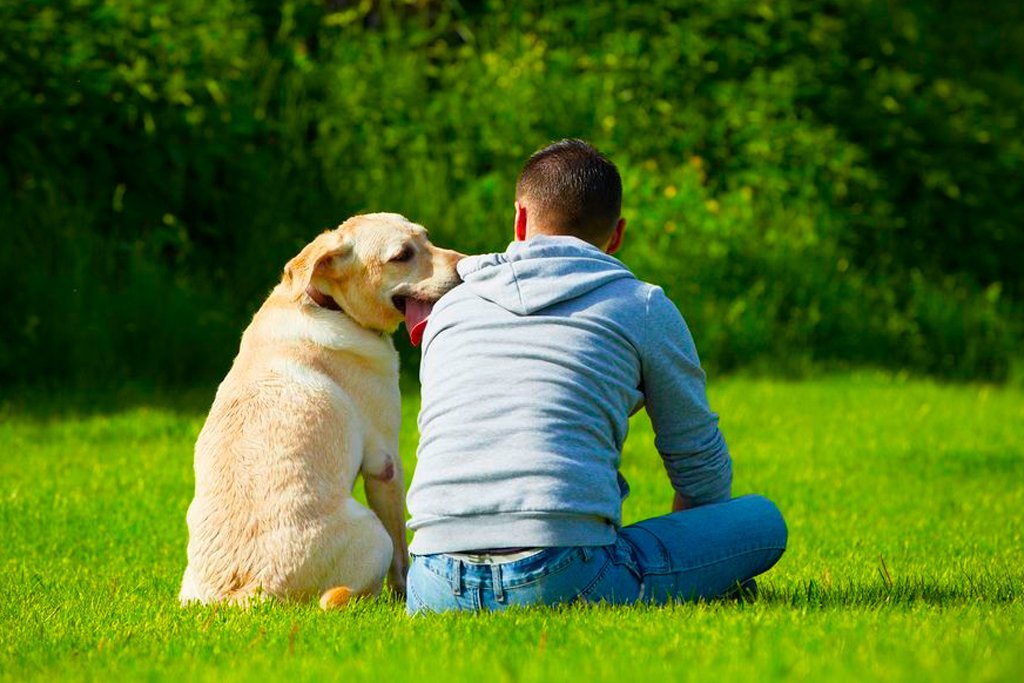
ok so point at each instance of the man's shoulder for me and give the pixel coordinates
(632, 289)
(459, 293)
(628, 290)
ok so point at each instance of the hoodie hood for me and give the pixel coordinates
(541, 272)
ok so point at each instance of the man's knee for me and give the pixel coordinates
(769, 519)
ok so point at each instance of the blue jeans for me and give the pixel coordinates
(695, 554)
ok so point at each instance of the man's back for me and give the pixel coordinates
(530, 371)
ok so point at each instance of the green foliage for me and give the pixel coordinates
(813, 182)
(924, 477)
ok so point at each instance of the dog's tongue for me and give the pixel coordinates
(416, 314)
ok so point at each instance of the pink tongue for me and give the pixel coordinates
(416, 314)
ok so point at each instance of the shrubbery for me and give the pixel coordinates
(812, 182)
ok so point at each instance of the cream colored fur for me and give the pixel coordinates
(310, 403)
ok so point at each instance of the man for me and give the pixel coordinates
(530, 371)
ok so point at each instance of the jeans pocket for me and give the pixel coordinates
(646, 548)
(428, 589)
(618, 581)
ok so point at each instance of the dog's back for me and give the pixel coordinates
(311, 402)
(279, 453)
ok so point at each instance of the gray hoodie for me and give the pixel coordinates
(530, 371)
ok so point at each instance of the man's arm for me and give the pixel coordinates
(692, 448)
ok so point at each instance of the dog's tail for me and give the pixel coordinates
(336, 598)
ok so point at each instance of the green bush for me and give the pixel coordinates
(813, 182)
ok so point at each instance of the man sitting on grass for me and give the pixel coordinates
(530, 371)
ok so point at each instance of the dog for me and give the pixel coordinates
(310, 403)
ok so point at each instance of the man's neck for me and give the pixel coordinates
(531, 233)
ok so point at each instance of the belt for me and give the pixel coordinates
(495, 555)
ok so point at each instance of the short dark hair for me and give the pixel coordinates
(572, 189)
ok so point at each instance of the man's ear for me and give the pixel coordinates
(520, 223)
(324, 256)
(616, 239)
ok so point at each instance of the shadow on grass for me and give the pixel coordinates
(900, 593)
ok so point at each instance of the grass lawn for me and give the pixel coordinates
(865, 467)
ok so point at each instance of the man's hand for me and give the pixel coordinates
(397, 573)
(680, 503)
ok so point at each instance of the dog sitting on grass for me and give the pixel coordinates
(310, 403)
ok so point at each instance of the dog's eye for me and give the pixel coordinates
(405, 255)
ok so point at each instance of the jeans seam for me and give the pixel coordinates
(539, 576)
(584, 594)
(417, 596)
(543, 572)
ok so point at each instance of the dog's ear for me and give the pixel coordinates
(332, 262)
(325, 255)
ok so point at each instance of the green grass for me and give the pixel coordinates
(865, 467)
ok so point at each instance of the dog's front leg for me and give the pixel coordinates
(385, 492)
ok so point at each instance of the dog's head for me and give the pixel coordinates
(371, 266)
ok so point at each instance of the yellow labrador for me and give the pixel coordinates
(311, 402)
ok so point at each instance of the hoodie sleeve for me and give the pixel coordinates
(686, 431)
